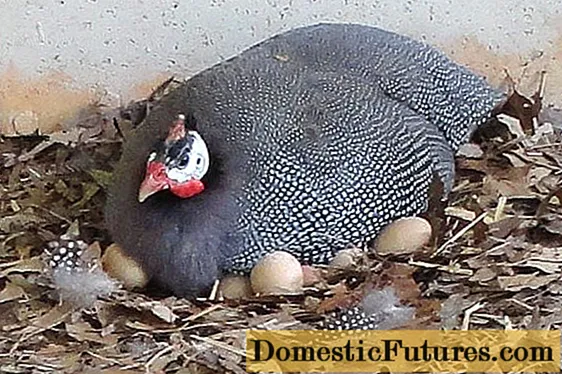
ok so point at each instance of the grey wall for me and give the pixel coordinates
(125, 47)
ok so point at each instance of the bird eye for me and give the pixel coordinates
(199, 161)
(183, 162)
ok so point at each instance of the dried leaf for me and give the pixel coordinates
(519, 107)
(136, 325)
(341, 298)
(400, 278)
(522, 281)
(73, 230)
(34, 265)
(68, 193)
(460, 212)
(102, 177)
(11, 292)
(545, 267)
(55, 316)
(536, 175)
(89, 191)
(515, 186)
(161, 311)
(503, 228)
(20, 221)
(515, 160)
(483, 275)
(452, 309)
(513, 125)
(554, 225)
(82, 331)
(93, 253)
(547, 259)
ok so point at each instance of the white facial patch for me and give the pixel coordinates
(197, 165)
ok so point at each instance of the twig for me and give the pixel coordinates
(214, 290)
(156, 357)
(500, 208)
(542, 85)
(56, 215)
(203, 312)
(112, 360)
(522, 304)
(459, 234)
(186, 327)
(10, 264)
(468, 313)
(542, 146)
(451, 269)
(502, 320)
(215, 343)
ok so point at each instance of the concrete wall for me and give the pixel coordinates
(56, 56)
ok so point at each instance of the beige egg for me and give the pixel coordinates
(403, 236)
(278, 273)
(123, 268)
(235, 287)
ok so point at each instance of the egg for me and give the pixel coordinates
(403, 236)
(123, 268)
(235, 287)
(277, 273)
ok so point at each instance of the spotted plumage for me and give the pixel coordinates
(378, 310)
(317, 138)
(76, 273)
(66, 255)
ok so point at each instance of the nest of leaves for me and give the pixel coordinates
(495, 261)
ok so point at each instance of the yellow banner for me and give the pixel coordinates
(489, 351)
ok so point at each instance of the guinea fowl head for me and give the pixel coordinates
(178, 164)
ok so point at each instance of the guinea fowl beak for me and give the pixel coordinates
(154, 181)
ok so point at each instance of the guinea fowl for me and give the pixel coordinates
(308, 142)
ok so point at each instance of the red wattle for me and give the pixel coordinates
(187, 189)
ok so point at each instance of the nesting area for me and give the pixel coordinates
(494, 259)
